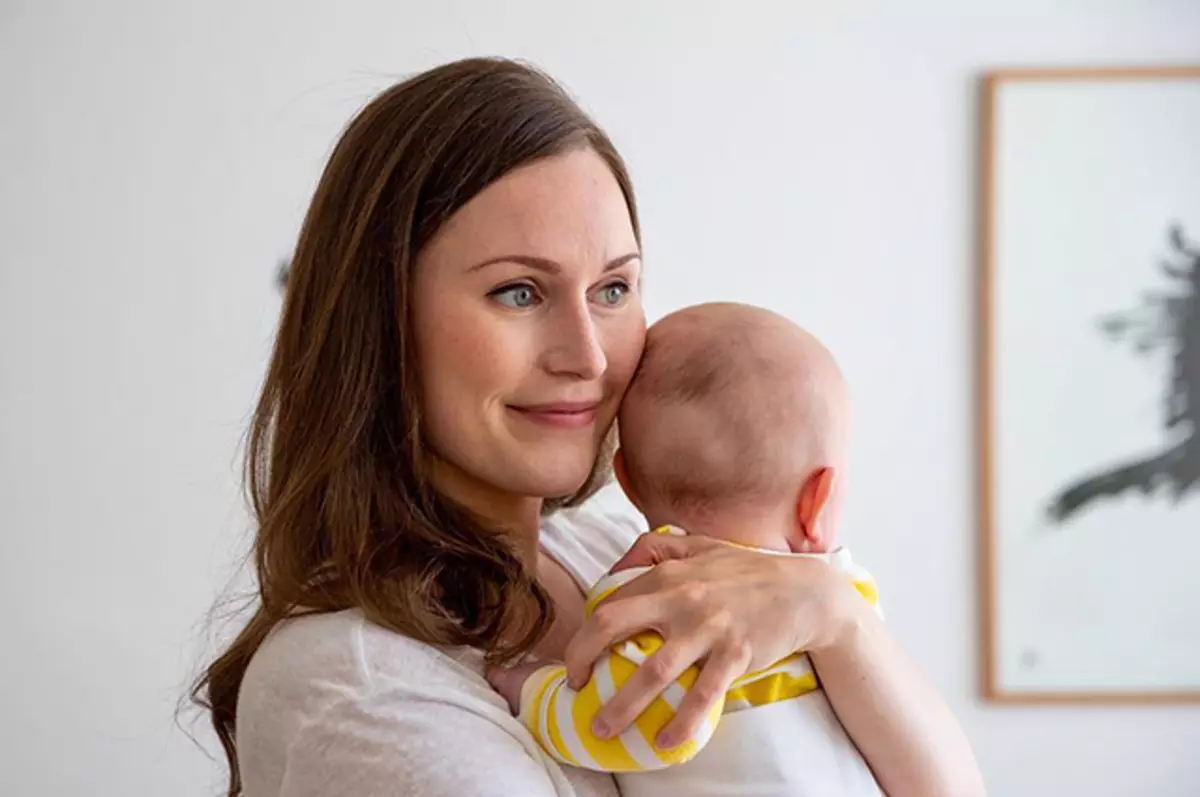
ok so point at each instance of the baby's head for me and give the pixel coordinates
(736, 426)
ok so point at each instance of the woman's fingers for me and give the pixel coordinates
(710, 602)
(650, 679)
(613, 621)
(610, 624)
(718, 672)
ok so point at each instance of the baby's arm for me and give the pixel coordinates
(560, 718)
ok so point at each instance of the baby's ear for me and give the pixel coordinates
(622, 474)
(814, 497)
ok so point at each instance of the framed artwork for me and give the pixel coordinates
(1090, 385)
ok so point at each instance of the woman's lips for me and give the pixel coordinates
(560, 415)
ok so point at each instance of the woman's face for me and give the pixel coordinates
(529, 324)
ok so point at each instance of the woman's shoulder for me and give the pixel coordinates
(313, 660)
(588, 539)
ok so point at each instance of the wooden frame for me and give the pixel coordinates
(987, 560)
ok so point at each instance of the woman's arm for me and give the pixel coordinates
(738, 611)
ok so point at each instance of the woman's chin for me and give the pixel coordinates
(562, 489)
(560, 482)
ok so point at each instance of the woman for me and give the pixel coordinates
(462, 318)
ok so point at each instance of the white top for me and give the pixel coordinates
(333, 704)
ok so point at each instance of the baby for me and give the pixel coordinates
(735, 427)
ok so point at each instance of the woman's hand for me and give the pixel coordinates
(728, 609)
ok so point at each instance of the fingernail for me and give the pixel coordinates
(665, 741)
(600, 729)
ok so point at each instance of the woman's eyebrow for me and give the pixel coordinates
(547, 265)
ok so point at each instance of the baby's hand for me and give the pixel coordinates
(509, 681)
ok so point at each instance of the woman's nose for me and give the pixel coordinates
(575, 348)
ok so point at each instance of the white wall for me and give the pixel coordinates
(155, 159)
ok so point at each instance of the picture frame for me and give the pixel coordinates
(1088, 188)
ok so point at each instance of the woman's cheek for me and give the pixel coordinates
(485, 352)
(630, 339)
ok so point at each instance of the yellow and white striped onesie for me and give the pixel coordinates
(773, 731)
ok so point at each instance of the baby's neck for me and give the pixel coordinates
(770, 529)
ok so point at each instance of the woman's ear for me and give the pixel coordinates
(814, 497)
(622, 475)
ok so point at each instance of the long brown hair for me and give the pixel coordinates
(336, 466)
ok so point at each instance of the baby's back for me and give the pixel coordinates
(795, 747)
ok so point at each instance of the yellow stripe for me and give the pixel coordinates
(650, 724)
(553, 733)
(609, 754)
(659, 713)
(598, 598)
(648, 642)
(793, 659)
(535, 710)
(617, 580)
(775, 688)
(868, 590)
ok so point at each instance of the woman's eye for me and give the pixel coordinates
(614, 293)
(516, 296)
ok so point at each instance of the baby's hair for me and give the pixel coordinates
(728, 405)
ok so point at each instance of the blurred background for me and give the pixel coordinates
(155, 162)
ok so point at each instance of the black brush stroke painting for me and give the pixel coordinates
(1170, 318)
